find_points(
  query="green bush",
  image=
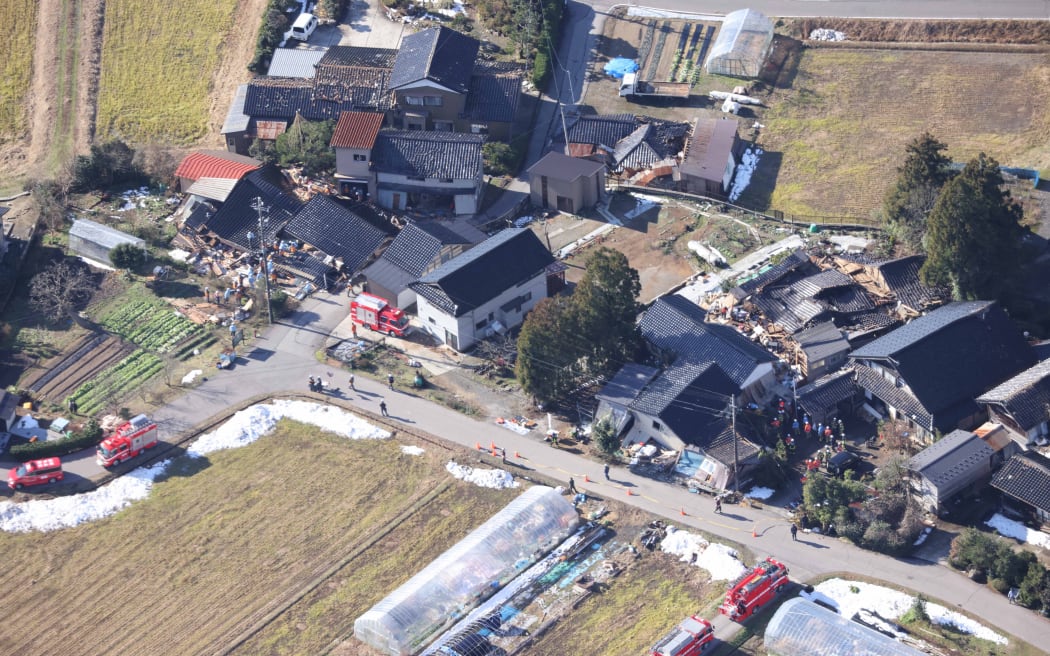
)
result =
(128, 256)
(498, 158)
(999, 585)
(541, 70)
(271, 33)
(89, 436)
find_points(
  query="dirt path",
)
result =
(233, 71)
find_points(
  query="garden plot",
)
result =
(155, 326)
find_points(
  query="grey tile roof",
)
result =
(847, 300)
(827, 279)
(602, 130)
(335, 229)
(357, 87)
(278, 97)
(958, 455)
(563, 167)
(236, 218)
(340, 56)
(471, 279)
(294, 62)
(493, 98)
(428, 154)
(438, 54)
(821, 341)
(1026, 477)
(892, 395)
(787, 309)
(1025, 397)
(901, 276)
(453, 231)
(676, 326)
(627, 384)
(821, 396)
(797, 260)
(413, 250)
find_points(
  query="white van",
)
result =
(304, 26)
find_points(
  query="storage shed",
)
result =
(742, 44)
(803, 627)
(476, 566)
(94, 241)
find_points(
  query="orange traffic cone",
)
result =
(517, 455)
(585, 479)
(492, 445)
(629, 493)
(754, 531)
(477, 445)
(495, 454)
(683, 512)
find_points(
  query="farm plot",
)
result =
(834, 140)
(225, 540)
(158, 62)
(86, 359)
(116, 382)
(16, 64)
(155, 326)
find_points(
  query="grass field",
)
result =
(223, 541)
(16, 66)
(834, 139)
(157, 65)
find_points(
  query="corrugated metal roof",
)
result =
(215, 164)
(709, 149)
(236, 119)
(217, 189)
(357, 130)
(295, 62)
(102, 235)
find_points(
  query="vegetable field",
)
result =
(16, 65)
(158, 59)
(156, 327)
(113, 383)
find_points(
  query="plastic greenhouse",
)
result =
(803, 627)
(742, 44)
(474, 568)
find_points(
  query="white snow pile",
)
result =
(250, 424)
(411, 450)
(759, 493)
(191, 376)
(1011, 529)
(493, 478)
(457, 8)
(824, 34)
(719, 560)
(242, 428)
(134, 198)
(893, 604)
(748, 164)
(66, 512)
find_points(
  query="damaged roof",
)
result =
(336, 229)
(506, 259)
(1024, 397)
(236, 218)
(627, 384)
(901, 276)
(416, 153)
(1026, 477)
(599, 130)
(709, 148)
(437, 54)
(797, 260)
(676, 326)
(493, 98)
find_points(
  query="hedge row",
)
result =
(90, 436)
(549, 39)
(271, 33)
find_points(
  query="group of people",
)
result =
(317, 384)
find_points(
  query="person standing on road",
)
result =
(572, 486)
(794, 533)
(382, 408)
(607, 472)
(352, 383)
(390, 380)
(718, 505)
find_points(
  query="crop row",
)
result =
(153, 326)
(111, 383)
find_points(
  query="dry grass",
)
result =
(224, 540)
(835, 138)
(157, 64)
(16, 66)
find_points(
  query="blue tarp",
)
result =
(619, 66)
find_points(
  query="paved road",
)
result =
(858, 8)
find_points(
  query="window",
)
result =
(657, 426)
(359, 157)
(479, 128)
(527, 296)
(481, 324)
(433, 101)
(413, 100)
(443, 126)
(417, 178)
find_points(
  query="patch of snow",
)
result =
(179, 254)
(522, 221)
(1011, 529)
(893, 604)
(493, 478)
(190, 377)
(748, 164)
(824, 34)
(242, 428)
(720, 561)
(760, 493)
(411, 450)
(644, 205)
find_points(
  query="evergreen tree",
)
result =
(548, 351)
(607, 310)
(973, 234)
(919, 179)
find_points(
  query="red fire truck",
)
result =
(754, 589)
(375, 313)
(127, 441)
(35, 472)
(689, 638)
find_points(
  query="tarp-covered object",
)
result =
(469, 572)
(620, 66)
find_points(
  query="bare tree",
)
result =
(61, 289)
(51, 202)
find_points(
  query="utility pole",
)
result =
(264, 219)
(736, 451)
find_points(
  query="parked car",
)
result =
(840, 462)
(35, 472)
(304, 26)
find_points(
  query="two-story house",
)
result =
(1022, 404)
(484, 291)
(427, 170)
(353, 139)
(929, 372)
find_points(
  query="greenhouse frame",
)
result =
(803, 627)
(742, 45)
(469, 572)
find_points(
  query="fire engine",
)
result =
(754, 589)
(689, 638)
(375, 313)
(127, 441)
